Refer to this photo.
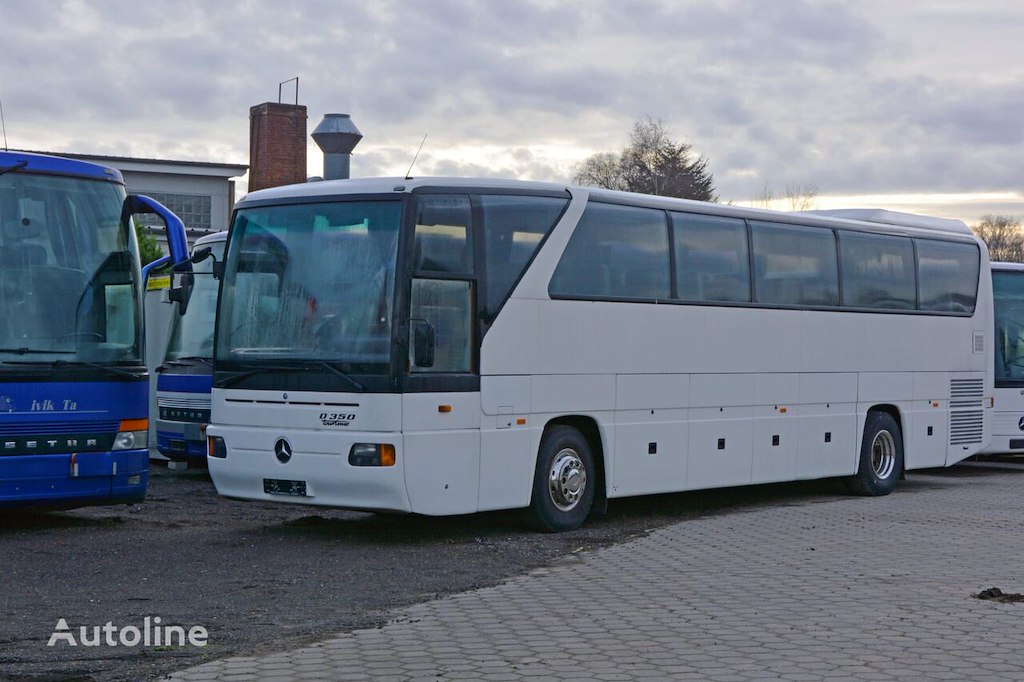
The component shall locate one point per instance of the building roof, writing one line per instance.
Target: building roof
(142, 165)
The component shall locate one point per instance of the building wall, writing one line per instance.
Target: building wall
(219, 190)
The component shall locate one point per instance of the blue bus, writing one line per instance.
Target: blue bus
(185, 378)
(73, 381)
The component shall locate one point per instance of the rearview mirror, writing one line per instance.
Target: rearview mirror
(182, 293)
(423, 343)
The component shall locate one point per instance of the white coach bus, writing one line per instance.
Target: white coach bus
(445, 346)
(1008, 352)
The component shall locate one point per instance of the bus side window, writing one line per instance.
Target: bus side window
(711, 258)
(442, 309)
(947, 276)
(795, 265)
(513, 227)
(616, 251)
(878, 271)
(443, 241)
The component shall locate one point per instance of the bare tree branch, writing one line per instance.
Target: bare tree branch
(652, 163)
(1003, 236)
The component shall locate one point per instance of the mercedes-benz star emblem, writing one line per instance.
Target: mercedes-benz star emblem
(283, 450)
(1020, 424)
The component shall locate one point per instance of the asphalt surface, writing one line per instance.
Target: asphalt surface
(920, 585)
(263, 578)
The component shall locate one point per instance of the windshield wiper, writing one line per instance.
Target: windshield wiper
(14, 166)
(25, 350)
(179, 362)
(246, 373)
(338, 372)
(63, 363)
(105, 368)
(200, 358)
(280, 369)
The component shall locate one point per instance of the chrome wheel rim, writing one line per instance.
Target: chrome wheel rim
(567, 480)
(883, 455)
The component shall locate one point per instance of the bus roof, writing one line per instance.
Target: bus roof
(208, 238)
(866, 219)
(1008, 267)
(878, 215)
(56, 165)
(396, 185)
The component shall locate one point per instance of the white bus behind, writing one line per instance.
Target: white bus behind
(1008, 356)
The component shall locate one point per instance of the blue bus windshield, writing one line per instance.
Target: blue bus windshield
(67, 272)
(192, 332)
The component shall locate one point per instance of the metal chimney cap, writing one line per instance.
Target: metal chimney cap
(336, 134)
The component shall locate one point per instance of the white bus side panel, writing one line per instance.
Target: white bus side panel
(926, 426)
(776, 442)
(651, 452)
(508, 455)
(787, 390)
(506, 445)
(828, 440)
(776, 409)
(442, 451)
(651, 434)
(569, 392)
(721, 447)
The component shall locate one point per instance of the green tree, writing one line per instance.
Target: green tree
(149, 248)
(652, 163)
(1003, 237)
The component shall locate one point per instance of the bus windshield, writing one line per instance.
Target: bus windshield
(191, 333)
(1008, 292)
(311, 281)
(67, 272)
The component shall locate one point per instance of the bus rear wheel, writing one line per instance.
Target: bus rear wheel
(563, 483)
(881, 456)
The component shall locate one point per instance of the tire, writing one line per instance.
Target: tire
(881, 456)
(564, 480)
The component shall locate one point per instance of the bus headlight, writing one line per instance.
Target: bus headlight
(372, 455)
(131, 440)
(216, 447)
(132, 434)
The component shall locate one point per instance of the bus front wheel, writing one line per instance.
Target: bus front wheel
(881, 456)
(563, 483)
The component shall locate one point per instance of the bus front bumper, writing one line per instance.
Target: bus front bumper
(66, 481)
(309, 467)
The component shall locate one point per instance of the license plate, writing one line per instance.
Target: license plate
(278, 486)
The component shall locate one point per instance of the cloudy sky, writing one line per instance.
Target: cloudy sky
(907, 104)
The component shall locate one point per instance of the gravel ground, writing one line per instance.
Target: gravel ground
(263, 577)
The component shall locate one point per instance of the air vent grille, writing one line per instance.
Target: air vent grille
(966, 413)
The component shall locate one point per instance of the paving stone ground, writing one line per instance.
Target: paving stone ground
(843, 588)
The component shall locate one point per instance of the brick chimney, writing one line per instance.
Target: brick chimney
(277, 145)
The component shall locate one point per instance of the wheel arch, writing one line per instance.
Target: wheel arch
(894, 412)
(591, 431)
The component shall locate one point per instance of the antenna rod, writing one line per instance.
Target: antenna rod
(281, 85)
(3, 124)
(408, 173)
